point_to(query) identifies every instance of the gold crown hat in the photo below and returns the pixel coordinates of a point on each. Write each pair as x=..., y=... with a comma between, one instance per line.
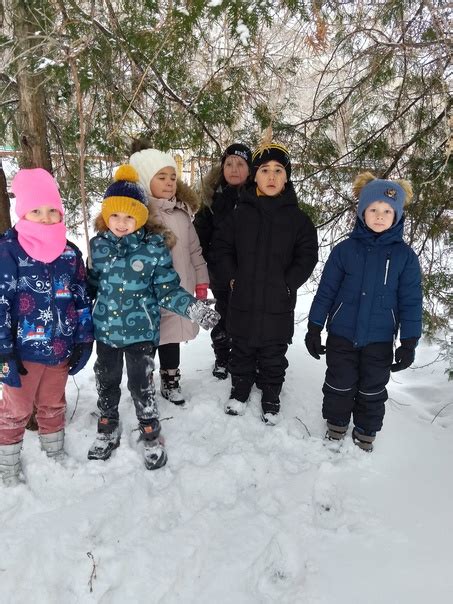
x=368, y=189
x=270, y=151
x=125, y=195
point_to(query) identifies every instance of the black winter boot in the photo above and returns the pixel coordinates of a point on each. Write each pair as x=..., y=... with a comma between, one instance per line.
x=107, y=439
x=220, y=370
x=154, y=452
x=270, y=403
x=169, y=386
x=240, y=392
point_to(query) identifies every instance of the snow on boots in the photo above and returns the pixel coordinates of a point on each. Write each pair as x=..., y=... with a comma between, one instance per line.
x=270, y=403
x=107, y=439
x=53, y=445
x=10, y=466
x=154, y=452
x=169, y=386
x=240, y=392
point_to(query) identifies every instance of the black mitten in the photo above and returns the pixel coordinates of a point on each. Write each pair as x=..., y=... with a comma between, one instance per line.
x=313, y=340
x=404, y=355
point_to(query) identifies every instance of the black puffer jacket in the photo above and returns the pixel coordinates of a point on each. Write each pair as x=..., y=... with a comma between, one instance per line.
x=218, y=202
x=269, y=247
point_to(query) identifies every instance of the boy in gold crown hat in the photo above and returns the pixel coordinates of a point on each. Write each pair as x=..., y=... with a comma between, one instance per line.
x=268, y=250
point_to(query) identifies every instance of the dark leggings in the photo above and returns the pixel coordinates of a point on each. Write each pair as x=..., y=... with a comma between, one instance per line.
x=169, y=356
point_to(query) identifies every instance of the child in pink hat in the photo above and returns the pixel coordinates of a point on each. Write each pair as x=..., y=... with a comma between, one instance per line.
x=46, y=330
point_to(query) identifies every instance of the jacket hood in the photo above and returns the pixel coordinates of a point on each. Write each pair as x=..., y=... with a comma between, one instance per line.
x=393, y=234
x=151, y=226
x=288, y=197
x=208, y=185
x=187, y=196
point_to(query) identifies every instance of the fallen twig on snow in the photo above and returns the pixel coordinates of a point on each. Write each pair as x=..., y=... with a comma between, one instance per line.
x=93, y=571
x=304, y=425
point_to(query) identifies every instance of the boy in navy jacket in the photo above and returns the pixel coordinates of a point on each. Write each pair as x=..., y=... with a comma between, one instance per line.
x=370, y=289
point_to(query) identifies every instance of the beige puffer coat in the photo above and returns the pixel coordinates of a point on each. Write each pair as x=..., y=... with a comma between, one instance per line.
x=176, y=216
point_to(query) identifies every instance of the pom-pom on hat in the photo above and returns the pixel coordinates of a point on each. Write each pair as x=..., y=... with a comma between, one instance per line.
x=33, y=188
x=148, y=162
x=240, y=150
x=368, y=189
x=271, y=152
x=125, y=195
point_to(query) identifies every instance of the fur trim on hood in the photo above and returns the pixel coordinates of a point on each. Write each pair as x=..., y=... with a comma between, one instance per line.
x=208, y=185
x=152, y=226
x=187, y=195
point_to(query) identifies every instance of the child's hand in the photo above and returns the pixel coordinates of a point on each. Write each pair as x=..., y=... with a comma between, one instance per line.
x=9, y=373
x=200, y=313
x=201, y=291
x=79, y=357
x=404, y=355
x=313, y=340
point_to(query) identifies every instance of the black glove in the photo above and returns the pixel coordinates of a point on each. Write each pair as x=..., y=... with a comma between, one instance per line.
x=404, y=355
x=313, y=340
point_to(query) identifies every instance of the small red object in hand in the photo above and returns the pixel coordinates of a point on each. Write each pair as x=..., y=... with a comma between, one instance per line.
x=201, y=291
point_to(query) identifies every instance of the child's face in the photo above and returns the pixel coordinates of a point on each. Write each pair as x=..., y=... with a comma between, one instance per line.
x=379, y=216
x=235, y=170
x=163, y=184
x=271, y=178
x=44, y=215
x=122, y=224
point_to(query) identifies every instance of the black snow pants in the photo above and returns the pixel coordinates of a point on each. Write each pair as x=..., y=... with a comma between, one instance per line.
x=221, y=342
x=355, y=383
x=264, y=365
x=108, y=370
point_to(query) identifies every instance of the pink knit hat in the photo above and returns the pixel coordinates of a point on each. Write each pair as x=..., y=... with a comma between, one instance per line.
x=33, y=188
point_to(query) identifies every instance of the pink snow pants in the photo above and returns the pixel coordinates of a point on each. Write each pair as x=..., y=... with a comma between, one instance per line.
x=44, y=388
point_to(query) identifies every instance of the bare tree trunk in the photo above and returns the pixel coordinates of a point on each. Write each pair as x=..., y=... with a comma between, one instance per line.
x=31, y=119
x=5, y=218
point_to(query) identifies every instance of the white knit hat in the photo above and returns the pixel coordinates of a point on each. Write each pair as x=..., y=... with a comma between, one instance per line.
x=148, y=163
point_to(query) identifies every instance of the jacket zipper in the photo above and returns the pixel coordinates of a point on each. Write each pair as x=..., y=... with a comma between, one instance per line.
x=147, y=314
x=336, y=312
x=387, y=264
x=394, y=320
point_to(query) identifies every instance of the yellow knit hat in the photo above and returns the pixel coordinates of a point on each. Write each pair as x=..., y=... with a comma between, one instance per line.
x=125, y=195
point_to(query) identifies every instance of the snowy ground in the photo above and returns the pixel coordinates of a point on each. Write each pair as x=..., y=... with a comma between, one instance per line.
x=243, y=513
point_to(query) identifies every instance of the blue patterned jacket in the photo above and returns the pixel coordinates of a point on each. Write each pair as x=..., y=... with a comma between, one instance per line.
x=44, y=307
x=132, y=277
x=370, y=288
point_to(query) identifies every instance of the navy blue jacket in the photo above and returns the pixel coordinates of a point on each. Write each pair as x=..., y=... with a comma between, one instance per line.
x=370, y=288
x=44, y=307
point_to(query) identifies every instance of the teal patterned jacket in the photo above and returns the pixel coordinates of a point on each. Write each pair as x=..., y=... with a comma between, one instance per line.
x=130, y=278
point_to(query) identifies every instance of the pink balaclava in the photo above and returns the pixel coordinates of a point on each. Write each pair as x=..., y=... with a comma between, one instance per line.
x=34, y=188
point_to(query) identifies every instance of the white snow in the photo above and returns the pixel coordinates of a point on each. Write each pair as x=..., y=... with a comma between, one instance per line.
x=243, y=513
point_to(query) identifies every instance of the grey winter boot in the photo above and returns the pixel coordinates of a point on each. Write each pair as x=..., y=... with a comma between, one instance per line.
x=169, y=386
x=363, y=441
x=53, y=445
x=335, y=432
x=10, y=466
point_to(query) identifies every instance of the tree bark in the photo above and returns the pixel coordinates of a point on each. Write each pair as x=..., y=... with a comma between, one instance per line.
x=31, y=118
x=5, y=218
